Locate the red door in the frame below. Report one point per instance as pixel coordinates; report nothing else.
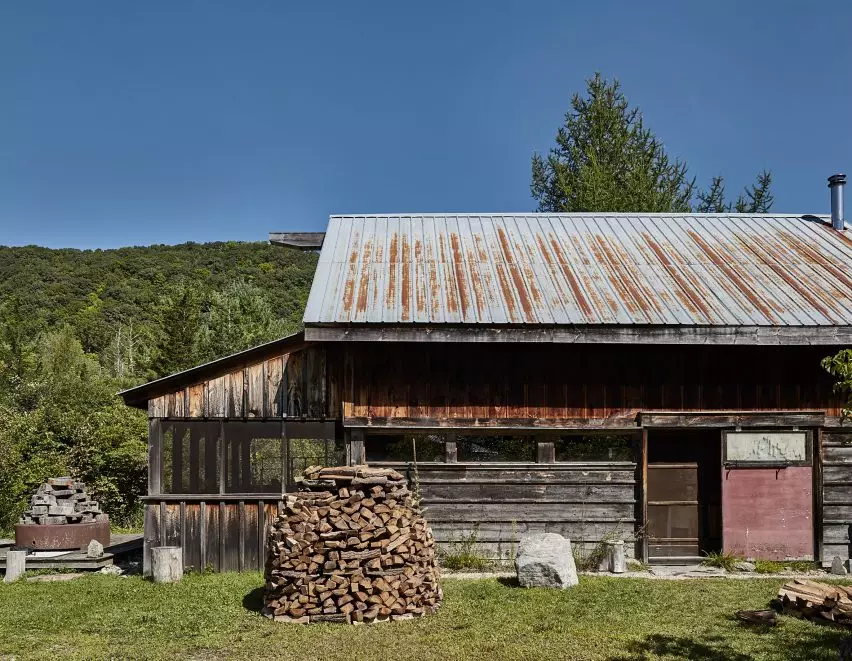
(767, 513)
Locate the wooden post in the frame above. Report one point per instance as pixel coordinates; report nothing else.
(617, 560)
(357, 451)
(155, 456)
(451, 451)
(546, 452)
(166, 564)
(643, 495)
(15, 565)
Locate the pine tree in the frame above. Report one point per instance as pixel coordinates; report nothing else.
(606, 160)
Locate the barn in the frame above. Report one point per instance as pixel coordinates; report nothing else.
(649, 377)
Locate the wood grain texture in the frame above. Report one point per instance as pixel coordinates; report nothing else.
(582, 387)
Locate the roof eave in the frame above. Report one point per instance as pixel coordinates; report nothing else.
(591, 334)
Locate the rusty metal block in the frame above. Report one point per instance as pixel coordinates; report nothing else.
(62, 537)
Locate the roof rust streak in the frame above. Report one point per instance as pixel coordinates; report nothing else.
(461, 281)
(561, 294)
(774, 263)
(518, 281)
(588, 275)
(364, 281)
(420, 279)
(686, 295)
(449, 277)
(813, 257)
(393, 265)
(619, 279)
(406, 279)
(741, 285)
(648, 300)
(582, 303)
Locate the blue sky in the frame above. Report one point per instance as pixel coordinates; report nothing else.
(129, 123)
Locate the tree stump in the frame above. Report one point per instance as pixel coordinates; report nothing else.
(166, 564)
(617, 560)
(15, 565)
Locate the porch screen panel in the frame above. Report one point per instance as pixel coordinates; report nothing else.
(190, 458)
(253, 460)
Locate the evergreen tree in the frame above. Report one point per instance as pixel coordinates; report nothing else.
(179, 317)
(606, 160)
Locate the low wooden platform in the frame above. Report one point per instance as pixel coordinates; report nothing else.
(119, 545)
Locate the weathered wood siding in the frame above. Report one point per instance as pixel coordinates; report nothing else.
(500, 503)
(225, 535)
(303, 383)
(557, 385)
(836, 493)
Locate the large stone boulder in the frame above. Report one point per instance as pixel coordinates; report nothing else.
(545, 561)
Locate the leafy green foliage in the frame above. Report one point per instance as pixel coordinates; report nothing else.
(77, 326)
(720, 560)
(605, 159)
(840, 367)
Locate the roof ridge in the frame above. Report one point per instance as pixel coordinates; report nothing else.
(579, 214)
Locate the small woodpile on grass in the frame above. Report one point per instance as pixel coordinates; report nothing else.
(815, 600)
(350, 546)
(62, 500)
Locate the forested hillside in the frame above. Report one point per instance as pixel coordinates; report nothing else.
(77, 326)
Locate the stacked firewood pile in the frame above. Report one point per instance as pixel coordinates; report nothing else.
(350, 546)
(815, 600)
(62, 500)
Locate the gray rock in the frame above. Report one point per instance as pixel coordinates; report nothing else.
(545, 560)
(112, 570)
(95, 550)
(744, 565)
(837, 567)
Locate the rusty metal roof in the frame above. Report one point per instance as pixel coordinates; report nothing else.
(583, 269)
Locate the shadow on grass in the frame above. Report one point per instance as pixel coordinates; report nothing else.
(823, 643)
(253, 601)
(509, 581)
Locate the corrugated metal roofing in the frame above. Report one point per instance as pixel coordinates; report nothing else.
(578, 269)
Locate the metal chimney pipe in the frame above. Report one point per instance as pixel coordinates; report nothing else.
(836, 183)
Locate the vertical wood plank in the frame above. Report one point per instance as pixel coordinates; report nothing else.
(217, 405)
(242, 524)
(195, 436)
(223, 448)
(150, 536)
(254, 385)
(245, 464)
(162, 539)
(183, 531)
(357, 451)
(235, 394)
(546, 452)
(177, 458)
(642, 500)
(195, 394)
(348, 384)
(202, 534)
(294, 380)
(261, 533)
(816, 448)
(155, 455)
(450, 449)
(223, 534)
(285, 459)
(274, 387)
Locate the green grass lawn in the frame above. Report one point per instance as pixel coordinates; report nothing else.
(216, 616)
